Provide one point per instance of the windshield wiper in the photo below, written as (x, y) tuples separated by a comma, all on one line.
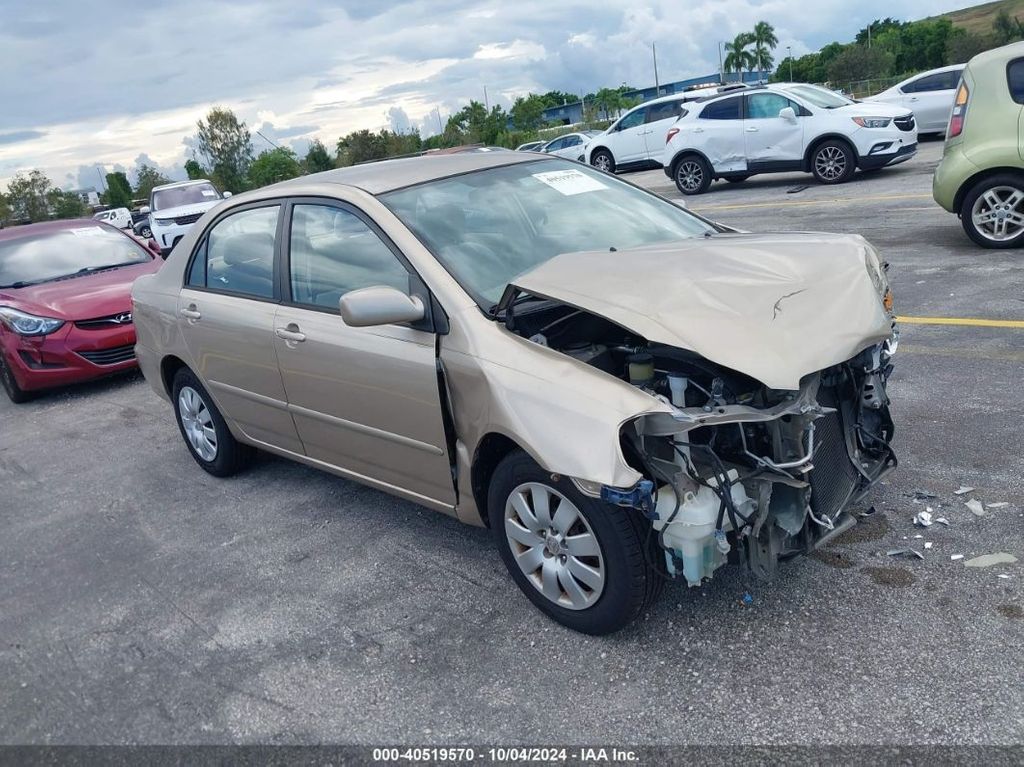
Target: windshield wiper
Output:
[(87, 269)]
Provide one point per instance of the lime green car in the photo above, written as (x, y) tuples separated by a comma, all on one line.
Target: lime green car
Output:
[(981, 176)]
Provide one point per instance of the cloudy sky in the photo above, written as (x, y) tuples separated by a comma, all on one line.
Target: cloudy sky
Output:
[(107, 84)]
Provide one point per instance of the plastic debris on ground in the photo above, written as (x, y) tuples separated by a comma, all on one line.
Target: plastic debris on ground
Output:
[(797, 189), (870, 510), (975, 506), (904, 553), (955, 557), (988, 560), (923, 518), (922, 495), (997, 505), (748, 599), (1002, 575), (943, 521), (927, 544), (963, 490)]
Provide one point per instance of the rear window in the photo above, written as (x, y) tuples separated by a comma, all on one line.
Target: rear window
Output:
[(726, 109), (1015, 80)]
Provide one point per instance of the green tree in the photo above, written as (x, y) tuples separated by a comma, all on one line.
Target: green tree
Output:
[(877, 27), (119, 191), (146, 177), (737, 57), (765, 41), (272, 166), (194, 169), (225, 142), (66, 204), (27, 196), (361, 146), (858, 62), (527, 112), (1006, 28), (318, 159), (6, 213), (962, 46), (558, 98)]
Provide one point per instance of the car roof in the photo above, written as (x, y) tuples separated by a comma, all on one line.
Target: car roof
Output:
[(997, 56), (388, 175), (45, 227)]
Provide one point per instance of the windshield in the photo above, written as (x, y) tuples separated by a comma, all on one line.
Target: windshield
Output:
[(489, 226), (820, 97), (65, 252), (184, 195)]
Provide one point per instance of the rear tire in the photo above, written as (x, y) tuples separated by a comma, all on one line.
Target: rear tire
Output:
[(582, 562), (692, 175), (833, 162), (206, 435), (992, 213), (16, 394), (602, 160)]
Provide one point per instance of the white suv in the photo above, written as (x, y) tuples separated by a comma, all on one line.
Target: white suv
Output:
[(783, 128), (173, 208)]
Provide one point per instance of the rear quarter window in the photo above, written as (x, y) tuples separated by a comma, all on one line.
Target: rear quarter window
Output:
[(727, 109), (1015, 80)]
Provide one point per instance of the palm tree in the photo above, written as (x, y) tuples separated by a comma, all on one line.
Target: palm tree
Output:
[(764, 40), (737, 57)]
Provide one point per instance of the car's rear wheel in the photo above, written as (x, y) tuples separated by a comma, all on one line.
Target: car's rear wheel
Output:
[(833, 162), (602, 160), (578, 559), (16, 394), (992, 213), (203, 428), (692, 175)]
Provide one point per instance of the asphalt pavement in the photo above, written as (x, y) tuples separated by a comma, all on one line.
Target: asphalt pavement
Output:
[(144, 601)]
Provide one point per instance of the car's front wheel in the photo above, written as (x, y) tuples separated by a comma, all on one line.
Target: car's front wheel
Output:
[(203, 428), (833, 162), (14, 392), (145, 231), (578, 559), (602, 160), (693, 175), (993, 211)]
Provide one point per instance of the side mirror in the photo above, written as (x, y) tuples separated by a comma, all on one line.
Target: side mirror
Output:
[(787, 113), (379, 305), (145, 209), (228, 194)]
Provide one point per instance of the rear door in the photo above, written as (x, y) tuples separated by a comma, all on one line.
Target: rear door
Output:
[(930, 98), (659, 118), (365, 400), (718, 134), (772, 142)]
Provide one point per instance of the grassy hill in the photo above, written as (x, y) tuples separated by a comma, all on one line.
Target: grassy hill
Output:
[(978, 18)]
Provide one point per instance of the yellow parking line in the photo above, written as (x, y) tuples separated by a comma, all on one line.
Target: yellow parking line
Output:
[(801, 203), (962, 321), (962, 353)]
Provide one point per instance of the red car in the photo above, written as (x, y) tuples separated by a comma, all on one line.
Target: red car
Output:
[(65, 303)]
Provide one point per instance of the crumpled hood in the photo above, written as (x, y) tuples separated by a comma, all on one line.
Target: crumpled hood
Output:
[(81, 298), (775, 307), (184, 210)]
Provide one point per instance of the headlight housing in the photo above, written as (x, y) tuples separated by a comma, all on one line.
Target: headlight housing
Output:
[(873, 122), (25, 324)]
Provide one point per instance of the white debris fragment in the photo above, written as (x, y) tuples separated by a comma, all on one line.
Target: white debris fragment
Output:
[(927, 544), (963, 490), (955, 557), (975, 506), (923, 518), (943, 521), (987, 560), (918, 536), (997, 505), (904, 553), (1003, 575)]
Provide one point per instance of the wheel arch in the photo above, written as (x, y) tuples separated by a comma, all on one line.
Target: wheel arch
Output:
[(169, 367), (819, 140), (491, 450), (682, 154), (969, 183)]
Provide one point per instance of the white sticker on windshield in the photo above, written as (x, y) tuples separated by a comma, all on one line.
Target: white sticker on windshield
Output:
[(208, 193), (569, 182), (87, 231)]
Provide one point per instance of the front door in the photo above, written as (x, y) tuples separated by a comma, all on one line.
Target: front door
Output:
[(772, 142), (628, 142), (365, 400), (227, 313)]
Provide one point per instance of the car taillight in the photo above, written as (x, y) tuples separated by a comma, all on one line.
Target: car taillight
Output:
[(671, 134), (956, 120)]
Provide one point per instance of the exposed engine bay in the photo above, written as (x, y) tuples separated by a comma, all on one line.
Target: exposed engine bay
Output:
[(735, 471)]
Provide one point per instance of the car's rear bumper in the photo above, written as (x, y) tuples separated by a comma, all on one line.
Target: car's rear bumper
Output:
[(882, 159), (71, 355), (950, 175)]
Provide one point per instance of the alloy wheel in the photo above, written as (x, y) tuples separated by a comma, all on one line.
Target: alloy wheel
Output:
[(830, 163), (603, 162), (690, 175), (997, 214), (197, 423), (554, 546)]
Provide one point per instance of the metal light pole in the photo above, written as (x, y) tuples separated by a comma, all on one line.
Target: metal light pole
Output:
[(487, 105), (789, 50), (721, 67), (657, 87)]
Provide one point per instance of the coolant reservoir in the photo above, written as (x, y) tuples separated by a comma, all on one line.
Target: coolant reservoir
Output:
[(691, 533)]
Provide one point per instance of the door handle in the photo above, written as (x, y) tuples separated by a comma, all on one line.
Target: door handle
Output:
[(290, 334), (191, 313), (913, 98), (698, 130), (751, 129)]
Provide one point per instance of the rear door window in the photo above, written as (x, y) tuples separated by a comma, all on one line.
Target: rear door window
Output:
[(1015, 80), (726, 109), (663, 111)]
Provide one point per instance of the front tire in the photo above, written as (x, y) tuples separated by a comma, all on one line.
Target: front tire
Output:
[(578, 559), (602, 160), (15, 393), (203, 428), (692, 175), (146, 232), (992, 213), (833, 162)]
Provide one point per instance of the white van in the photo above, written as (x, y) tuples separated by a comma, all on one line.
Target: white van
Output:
[(119, 217)]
